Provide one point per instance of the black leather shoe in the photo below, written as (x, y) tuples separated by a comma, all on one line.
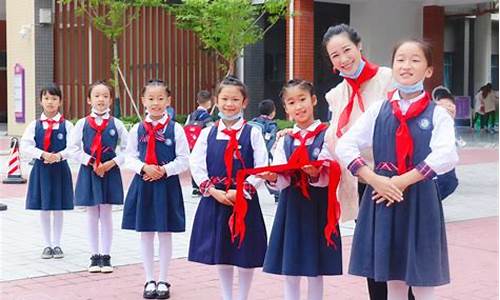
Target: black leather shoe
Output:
[(163, 293), (47, 253), (148, 294)]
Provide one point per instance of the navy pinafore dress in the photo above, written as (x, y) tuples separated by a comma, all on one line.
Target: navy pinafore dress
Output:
[(405, 241), (297, 246), (50, 185), (91, 189), (155, 206), (211, 239)]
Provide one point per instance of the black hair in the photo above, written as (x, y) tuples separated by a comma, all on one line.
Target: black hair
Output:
[(52, 89), (232, 81), (426, 48), (442, 92), (203, 97), (332, 31), (155, 83), (266, 107), (99, 82), (302, 84)]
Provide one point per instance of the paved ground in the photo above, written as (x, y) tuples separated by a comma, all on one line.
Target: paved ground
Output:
[(471, 213)]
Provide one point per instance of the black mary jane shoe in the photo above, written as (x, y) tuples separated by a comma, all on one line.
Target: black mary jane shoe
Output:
[(163, 294), (148, 294)]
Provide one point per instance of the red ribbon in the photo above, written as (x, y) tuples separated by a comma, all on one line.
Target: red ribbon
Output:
[(48, 133), (96, 147), (367, 73), (151, 130), (237, 225), (230, 152), (404, 140)]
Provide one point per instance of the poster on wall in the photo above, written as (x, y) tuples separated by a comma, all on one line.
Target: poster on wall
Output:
[(463, 106), (19, 93)]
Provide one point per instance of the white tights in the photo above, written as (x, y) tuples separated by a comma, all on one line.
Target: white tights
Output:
[(101, 212), (147, 249), (398, 290), (245, 277), (314, 290), (57, 217)]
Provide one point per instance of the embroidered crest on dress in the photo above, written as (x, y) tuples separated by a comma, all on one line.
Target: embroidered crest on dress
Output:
[(315, 152), (424, 123), (168, 142), (112, 132), (60, 136)]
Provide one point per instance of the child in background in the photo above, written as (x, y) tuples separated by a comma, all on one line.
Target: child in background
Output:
[(196, 121), (50, 188), (222, 150), (297, 246), (157, 152), (99, 184), (265, 122)]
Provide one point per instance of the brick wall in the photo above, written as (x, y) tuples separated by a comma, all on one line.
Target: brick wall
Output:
[(303, 55), (433, 32)]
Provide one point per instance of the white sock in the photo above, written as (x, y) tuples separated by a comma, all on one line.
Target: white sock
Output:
[(93, 227), (106, 218), (292, 287), (226, 281), (165, 239), (45, 221), (245, 277), (148, 252), (397, 290), (424, 293), (57, 227), (315, 288)]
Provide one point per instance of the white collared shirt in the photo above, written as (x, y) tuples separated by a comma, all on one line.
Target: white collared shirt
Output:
[(198, 158), (76, 140), (27, 144), (176, 166), (443, 156), (279, 157)]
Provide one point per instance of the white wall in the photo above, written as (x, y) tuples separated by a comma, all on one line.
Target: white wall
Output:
[(383, 23)]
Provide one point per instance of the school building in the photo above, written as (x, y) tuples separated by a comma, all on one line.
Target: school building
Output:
[(47, 42)]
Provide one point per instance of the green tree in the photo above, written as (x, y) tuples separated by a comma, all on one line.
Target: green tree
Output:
[(227, 26), (112, 17)]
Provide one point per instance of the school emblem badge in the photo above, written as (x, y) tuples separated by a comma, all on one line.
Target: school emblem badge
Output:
[(424, 123), (316, 152), (168, 142), (112, 132), (60, 136)]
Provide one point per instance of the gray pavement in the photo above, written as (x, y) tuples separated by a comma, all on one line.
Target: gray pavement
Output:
[(21, 237)]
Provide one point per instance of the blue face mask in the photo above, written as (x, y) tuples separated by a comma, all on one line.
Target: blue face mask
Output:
[(356, 74), (409, 89), (230, 118)]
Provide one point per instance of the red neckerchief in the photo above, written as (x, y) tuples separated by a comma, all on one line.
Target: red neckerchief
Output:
[(231, 151), (48, 132), (367, 73), (237, 225), (404, 140), (300, 156), (96, 147), (151, 130)]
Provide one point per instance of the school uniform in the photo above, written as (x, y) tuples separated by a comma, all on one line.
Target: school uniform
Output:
[(211, 239), (297, 245), (407, 240), (92, 189), (50, 186), (371, 91), (156, 206), (200, 116)]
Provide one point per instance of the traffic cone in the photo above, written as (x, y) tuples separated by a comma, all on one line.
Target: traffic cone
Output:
[(14, 174)]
